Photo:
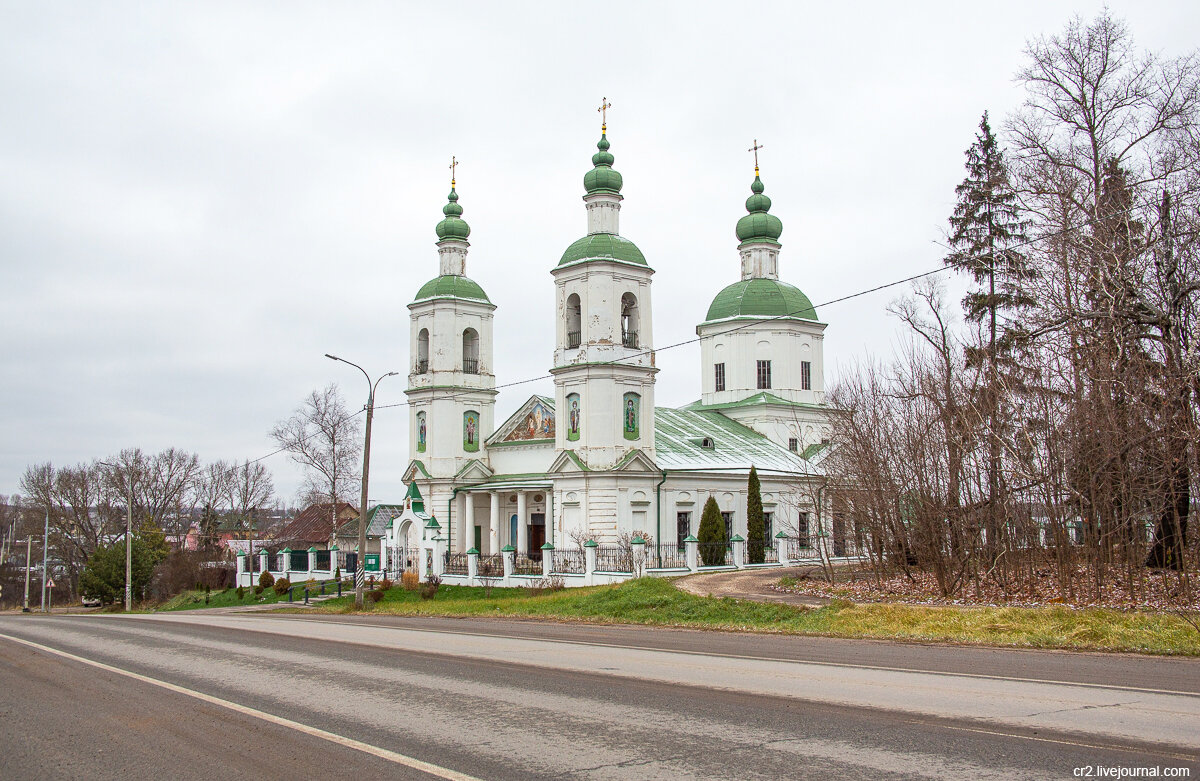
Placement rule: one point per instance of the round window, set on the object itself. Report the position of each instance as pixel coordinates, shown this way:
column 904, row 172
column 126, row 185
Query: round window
column 537, row 498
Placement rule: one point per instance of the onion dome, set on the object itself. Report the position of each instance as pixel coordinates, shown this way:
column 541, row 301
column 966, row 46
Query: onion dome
column 759, row 226
column 453, row 226
column 761, row 298
column 602, row 178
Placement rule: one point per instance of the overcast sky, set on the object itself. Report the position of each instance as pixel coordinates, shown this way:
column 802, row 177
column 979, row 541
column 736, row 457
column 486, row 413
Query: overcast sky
column 197, row 201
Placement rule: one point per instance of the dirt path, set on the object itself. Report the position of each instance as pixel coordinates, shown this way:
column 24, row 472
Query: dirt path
column 751, row 584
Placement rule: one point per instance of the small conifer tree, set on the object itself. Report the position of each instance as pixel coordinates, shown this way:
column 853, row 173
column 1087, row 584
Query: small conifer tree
column 756, row 527
column 712, row 535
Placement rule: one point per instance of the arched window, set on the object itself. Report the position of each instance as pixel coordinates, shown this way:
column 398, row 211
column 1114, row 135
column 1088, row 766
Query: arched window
column 574, row 322
column 422, row 365
column 629, row 320
column 470, row 351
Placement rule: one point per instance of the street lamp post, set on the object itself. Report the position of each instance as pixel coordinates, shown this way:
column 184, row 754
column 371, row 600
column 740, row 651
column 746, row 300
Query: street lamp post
column 360, row 574
column 45, row 557
column 128, row 540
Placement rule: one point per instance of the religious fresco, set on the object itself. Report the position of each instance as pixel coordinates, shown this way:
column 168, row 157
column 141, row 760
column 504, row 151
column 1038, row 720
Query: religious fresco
column 574, row 413
column 421, row 433
column 470, row 431
column 632, row 413
column 538, row 424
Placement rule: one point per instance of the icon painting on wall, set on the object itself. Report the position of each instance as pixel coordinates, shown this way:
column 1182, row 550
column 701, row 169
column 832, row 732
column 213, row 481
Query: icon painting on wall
column 538, row 424
column 420, row 432
column 633, row 410
column 573, row 415
column 471, row 431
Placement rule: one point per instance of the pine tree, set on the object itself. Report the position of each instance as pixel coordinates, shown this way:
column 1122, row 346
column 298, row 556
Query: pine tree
column 987, row 226
column 756, row 528
column 712, row 535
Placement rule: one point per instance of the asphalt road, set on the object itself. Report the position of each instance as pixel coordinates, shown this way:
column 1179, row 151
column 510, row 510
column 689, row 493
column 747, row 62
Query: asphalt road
column 200, row 696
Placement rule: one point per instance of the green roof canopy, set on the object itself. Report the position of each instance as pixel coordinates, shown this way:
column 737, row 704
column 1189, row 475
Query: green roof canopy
column 761, row 297
column 451, row 286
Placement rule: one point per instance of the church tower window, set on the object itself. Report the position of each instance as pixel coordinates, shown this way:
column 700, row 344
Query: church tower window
column 422, row 364
column 805, row 375
column 719, row 376
column 470, row 351
column 764, row 375
column 574, row 322
column 629, row 320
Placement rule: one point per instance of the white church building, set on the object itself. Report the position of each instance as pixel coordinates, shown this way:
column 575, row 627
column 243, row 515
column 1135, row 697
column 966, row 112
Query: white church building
column 601, row 459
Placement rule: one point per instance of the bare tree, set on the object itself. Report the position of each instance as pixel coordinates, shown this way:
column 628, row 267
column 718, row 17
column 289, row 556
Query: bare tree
column 325, row 439
column 250, row 487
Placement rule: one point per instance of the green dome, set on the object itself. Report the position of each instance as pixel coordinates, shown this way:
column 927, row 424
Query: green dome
column 453, row 226
column 603, row 246
column 451, row 286
column 761, row 298
column 758, row 225
column 602, row 178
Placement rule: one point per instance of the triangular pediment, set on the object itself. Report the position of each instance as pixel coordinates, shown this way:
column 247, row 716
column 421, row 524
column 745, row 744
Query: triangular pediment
column 568, row 461
column 415, row 471
column 474, row 471
column 636, row 461
column 532, row 422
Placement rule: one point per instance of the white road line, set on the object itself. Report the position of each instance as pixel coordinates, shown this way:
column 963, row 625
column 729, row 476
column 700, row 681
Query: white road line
column 748, row 657
column 358, row 745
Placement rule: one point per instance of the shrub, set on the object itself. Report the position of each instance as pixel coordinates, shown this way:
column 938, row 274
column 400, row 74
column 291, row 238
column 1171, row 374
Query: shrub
column 241, row 593
column 712, row 532
column 265, row 580
column 385, row 584
column 281, row 586
column 756, row 525
column 410, row 581
column 431, row 587
column 375, row 594
column 546, row 585
column 258, row 590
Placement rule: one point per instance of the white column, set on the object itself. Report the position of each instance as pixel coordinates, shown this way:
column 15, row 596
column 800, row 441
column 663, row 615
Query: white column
column 494, row 523
column 522, row 543
column 468, row 538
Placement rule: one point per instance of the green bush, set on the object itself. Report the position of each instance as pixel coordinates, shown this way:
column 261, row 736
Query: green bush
column 712, row 533
column 103, row 577
column 266, row 579
column 241, row 593
column 281, row 586
column 258, row 590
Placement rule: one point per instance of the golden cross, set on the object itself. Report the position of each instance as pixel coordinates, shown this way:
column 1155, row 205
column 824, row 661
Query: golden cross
column 453, row 165
column 757, row 146
column 604, row 107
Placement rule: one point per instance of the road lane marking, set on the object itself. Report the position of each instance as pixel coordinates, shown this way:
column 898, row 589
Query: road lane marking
column 746, row 657
column 383, row 753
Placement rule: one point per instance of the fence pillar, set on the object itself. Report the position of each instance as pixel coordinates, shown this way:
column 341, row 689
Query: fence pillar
column 335, row 566
column 472, row 566
column 547, row 559
column 510, row 562
column 739, row 551
column 312, row 559
column 693, row 552
column 264, row 559
column 589, row 562
column 781, row 545
column 439, row 555
column 241, row 566
column 286, row 553
column 639, row 556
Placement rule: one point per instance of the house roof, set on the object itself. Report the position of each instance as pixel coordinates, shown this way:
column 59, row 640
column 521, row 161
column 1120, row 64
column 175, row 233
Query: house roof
column 312, row 524
column 378, row 518
column 679, row 435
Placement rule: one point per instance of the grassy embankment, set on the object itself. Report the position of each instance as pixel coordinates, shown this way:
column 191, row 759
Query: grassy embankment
column 657, row 602
column 194, row 599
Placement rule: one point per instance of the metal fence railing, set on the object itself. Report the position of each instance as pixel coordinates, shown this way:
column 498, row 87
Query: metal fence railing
column 666, row 556
column 456, row 563
column 800, row 548
column 323, row 558
column 770, row 554
column 614, row 558
column 714, row 554
column 523, row 565
column 299, row 560
column 491, row 566
column 569, row 562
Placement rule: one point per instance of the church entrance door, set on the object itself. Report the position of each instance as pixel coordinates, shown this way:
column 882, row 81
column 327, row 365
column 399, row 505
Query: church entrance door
column 537, row 535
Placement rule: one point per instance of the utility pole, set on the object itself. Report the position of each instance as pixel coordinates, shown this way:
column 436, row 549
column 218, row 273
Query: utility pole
column 129, row 546
column 45, row 558
column 28, row 556
column 360, row 575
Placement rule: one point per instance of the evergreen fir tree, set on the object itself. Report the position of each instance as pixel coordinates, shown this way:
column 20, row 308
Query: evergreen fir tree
column 712, row 535
column 987, row 226
column 756, row 528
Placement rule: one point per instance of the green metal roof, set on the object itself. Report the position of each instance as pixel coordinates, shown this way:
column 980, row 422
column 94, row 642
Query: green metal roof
column 678, row 432
column 602, row 178
column 452, row 286
column 761, row 297
column 762, row 397
column 603, row 246
column 453, row 226
column 759, row 226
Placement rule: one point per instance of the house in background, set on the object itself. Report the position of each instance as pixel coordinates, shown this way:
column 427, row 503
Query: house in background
column 315, row 526
column 379, row 518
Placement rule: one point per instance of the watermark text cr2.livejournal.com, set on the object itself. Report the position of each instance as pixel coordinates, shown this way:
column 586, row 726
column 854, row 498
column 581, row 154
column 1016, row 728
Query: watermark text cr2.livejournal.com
column 1118, row 771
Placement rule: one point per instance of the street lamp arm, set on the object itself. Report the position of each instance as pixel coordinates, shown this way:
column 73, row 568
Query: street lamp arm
column 355, row 365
